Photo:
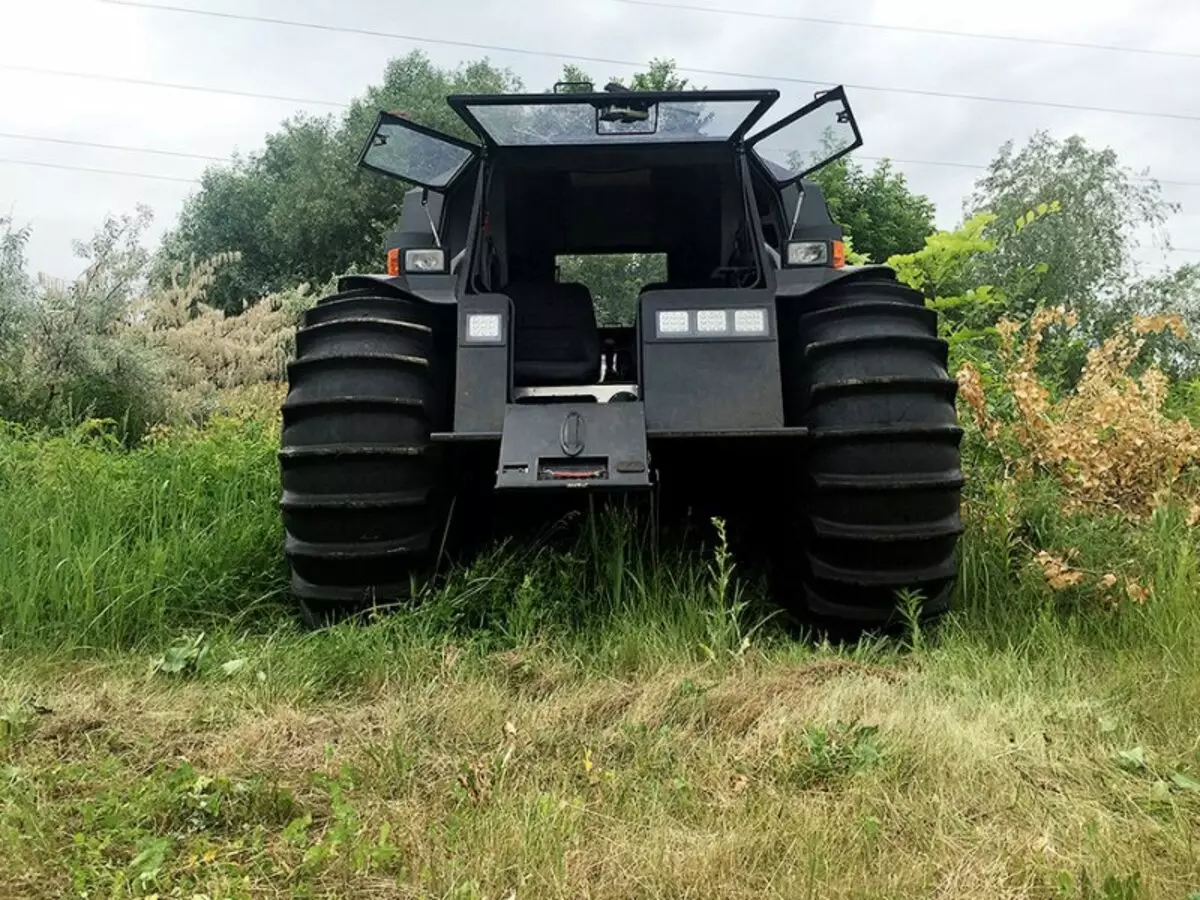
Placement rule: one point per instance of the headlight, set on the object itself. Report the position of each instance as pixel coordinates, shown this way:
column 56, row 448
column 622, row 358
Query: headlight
column 424, row 261
column 807, row 253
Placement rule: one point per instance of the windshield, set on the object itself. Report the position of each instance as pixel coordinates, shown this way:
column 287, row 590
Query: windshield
column 627, row 120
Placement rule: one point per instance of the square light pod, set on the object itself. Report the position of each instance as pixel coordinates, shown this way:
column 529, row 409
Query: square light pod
column 484, row 328
column 749, row 321
column 712, row 321
column 673, row 322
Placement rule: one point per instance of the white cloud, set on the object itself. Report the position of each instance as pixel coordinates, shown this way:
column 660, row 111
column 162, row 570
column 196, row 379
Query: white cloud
column 87, row 35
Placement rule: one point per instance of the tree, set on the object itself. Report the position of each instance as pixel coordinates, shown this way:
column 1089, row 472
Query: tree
column 15, row 286
column 16, row 291
column 1083, row 255
column 300, row 210
column 876, row 209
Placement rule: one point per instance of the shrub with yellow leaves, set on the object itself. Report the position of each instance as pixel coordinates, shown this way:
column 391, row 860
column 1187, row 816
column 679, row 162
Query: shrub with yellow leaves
column 1108, row 440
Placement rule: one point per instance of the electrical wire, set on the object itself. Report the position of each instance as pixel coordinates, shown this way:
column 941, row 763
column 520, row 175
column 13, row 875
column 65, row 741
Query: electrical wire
column 174, row 85
column 122, row 147
column 980, row 167
column 497, row 48
column 221, row 159
column 911, row 29
column 69, row 168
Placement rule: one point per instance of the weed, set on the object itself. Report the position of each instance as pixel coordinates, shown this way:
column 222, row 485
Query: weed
column 1108, row 440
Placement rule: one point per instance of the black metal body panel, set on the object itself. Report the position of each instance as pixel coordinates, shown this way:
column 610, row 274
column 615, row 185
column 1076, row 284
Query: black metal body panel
column 483, row 371
column 709, row 384
column 567, row 445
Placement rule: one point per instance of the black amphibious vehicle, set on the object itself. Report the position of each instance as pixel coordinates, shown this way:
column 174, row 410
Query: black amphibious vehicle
column 763, row 374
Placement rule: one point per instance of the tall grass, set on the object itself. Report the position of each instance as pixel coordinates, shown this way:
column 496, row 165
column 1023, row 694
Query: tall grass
column 108, row 546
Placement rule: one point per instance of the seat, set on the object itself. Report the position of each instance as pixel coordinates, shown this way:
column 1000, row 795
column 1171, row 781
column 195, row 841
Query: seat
column 555, row 337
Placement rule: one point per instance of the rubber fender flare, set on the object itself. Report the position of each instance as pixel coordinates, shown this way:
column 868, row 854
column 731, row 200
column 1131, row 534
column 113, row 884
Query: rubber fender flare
column 390, row 285
column 822, row 279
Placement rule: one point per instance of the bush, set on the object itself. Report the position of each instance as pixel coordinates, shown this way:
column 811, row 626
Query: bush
column 109, row 346
column 1107, row 439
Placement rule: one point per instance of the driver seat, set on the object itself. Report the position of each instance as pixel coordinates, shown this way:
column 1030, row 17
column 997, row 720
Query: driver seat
column 556, row 340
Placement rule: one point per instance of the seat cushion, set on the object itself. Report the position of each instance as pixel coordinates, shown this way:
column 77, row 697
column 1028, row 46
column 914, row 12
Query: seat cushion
column 555, row 338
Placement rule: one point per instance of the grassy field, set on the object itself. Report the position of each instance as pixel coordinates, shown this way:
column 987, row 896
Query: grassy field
column 575, row 718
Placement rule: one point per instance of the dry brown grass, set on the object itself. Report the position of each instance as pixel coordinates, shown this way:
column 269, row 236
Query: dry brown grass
column 758, row 780
column 1108, row 440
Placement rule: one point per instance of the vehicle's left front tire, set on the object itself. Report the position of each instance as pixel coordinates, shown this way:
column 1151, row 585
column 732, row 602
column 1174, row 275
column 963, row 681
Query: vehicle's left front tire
column 363, row 489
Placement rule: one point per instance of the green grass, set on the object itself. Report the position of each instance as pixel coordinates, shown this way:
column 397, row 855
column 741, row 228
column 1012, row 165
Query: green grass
column 108, row 547
column 586, row 715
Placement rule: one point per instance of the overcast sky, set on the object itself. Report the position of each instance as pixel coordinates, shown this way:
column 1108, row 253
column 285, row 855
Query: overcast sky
column 95, row 37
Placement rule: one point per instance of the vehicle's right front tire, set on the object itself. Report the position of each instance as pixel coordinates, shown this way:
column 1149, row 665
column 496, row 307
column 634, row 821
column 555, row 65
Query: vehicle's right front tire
column 362, row 499
column 880, row 502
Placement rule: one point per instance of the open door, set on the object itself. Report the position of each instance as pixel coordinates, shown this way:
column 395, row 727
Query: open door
column 402, row 149
column 809, row 139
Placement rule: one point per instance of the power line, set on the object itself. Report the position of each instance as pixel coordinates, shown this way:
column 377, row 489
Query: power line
column 145, row 82
column 913, row 29
column 980, row 166
column 497, row 48
column 225, row 159
column 76, row 143
column 49, row 165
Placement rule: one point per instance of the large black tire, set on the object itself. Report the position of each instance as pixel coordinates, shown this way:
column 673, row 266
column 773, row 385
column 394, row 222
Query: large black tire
column 362, row 510
column 882, row 493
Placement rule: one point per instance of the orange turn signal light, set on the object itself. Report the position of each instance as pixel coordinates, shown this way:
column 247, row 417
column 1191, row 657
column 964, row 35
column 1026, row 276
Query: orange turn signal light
column 839, row 254
column 393, row 261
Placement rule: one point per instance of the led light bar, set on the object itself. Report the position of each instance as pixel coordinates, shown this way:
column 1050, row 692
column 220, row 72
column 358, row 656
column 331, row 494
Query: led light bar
column 711, row 323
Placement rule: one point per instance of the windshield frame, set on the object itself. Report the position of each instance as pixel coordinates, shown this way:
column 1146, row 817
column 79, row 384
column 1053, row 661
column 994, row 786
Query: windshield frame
column 763, row 99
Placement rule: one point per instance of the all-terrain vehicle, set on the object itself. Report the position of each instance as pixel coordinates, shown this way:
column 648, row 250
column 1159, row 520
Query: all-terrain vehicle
column 762, row 369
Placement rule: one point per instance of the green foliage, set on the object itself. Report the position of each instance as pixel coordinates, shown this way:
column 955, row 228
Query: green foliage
column 1081, row 255
column 820, row 757
column 941, row 270
column 1175, row 292
column 16, row 291
column 614, row 281
column 876, row 209
column 300, row 210
column 104, row 545
column 661, row 75
column 79, row 358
